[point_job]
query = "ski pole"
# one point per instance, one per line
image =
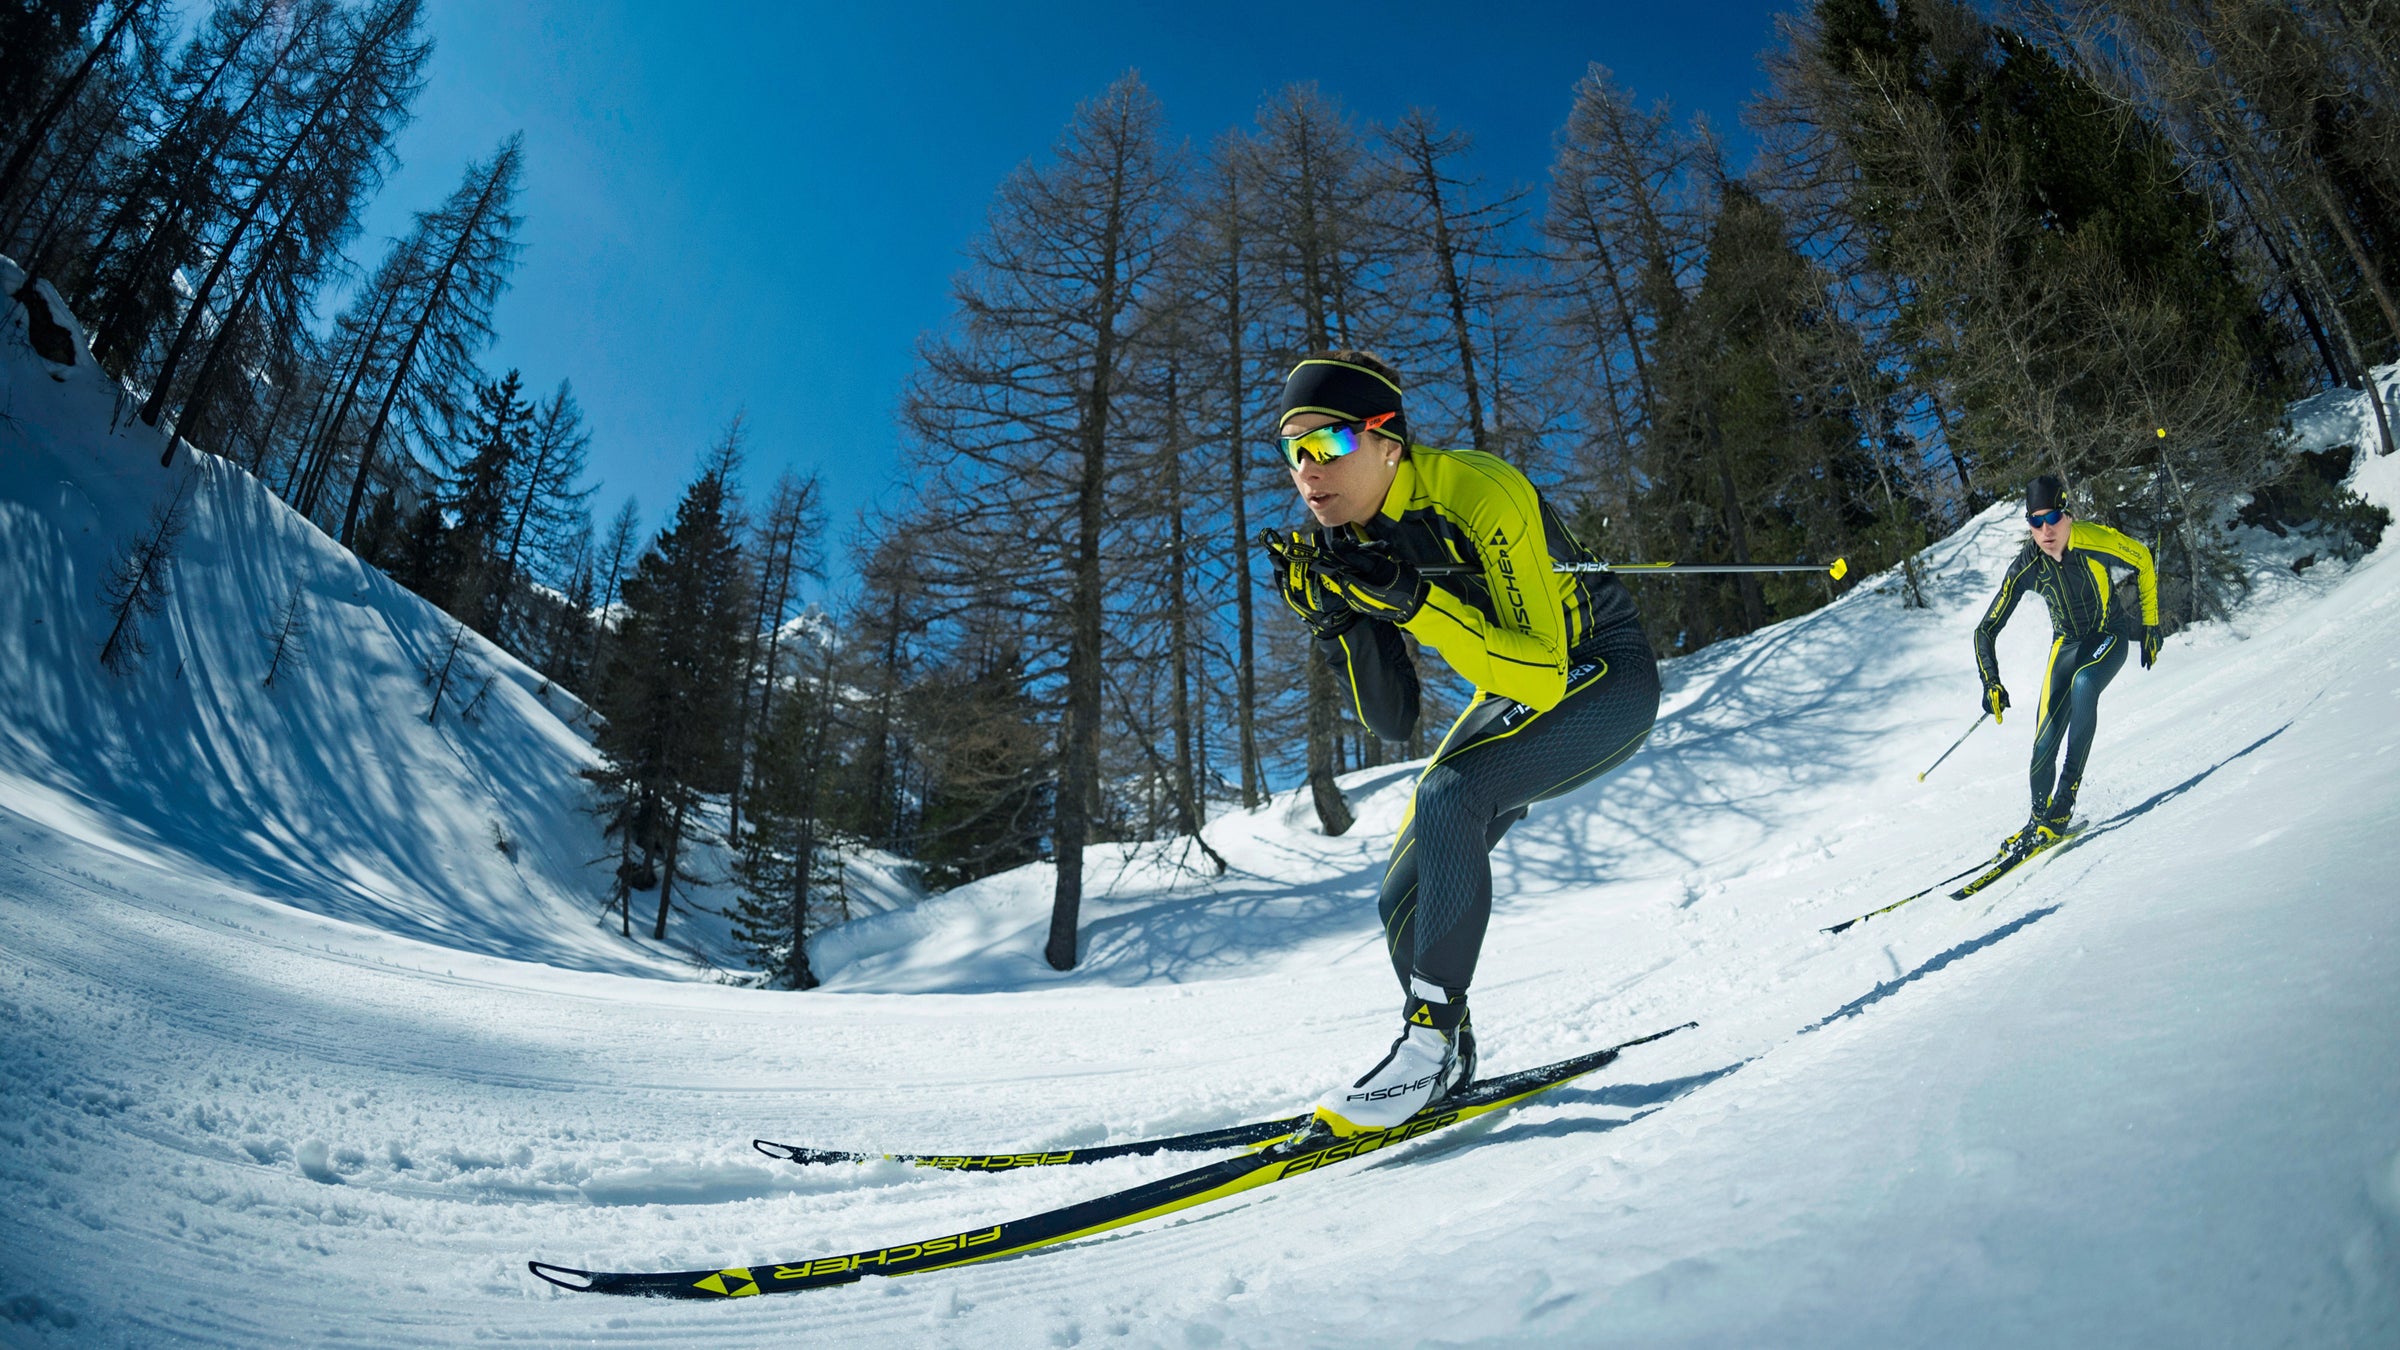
(1962, 740)
(1837, 569)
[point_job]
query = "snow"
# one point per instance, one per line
(290, 1052)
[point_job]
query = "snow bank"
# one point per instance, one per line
(330, 792)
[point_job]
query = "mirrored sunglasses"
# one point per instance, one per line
(1330, 442)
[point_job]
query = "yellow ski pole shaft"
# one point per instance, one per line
(1962, 740)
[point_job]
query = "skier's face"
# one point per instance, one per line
(1348, 490)
(2051, 535)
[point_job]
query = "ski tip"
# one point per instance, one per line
(809, 1157)
(565, 1277)
(1843, 926)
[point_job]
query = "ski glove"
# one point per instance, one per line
(1308, 595)
(1995, 699)
(2152, 640)
(1369, 577)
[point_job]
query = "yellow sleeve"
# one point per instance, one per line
(2127, 549)
(1524, 655)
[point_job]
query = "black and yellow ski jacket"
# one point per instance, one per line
(1512, 626)
(2081, 587)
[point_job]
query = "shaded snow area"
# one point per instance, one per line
(291, 1053)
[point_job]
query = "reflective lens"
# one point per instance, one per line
(1329, 442)
(2045, 518)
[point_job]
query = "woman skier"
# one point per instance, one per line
(2077, 567)
(1565, 685)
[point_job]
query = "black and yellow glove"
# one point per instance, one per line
(1995, 699)
(2152, 640)
(1369, 577)
(1305, 591)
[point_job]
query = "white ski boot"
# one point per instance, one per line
(1423, 1066)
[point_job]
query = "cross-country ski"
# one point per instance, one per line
(1290, 1156)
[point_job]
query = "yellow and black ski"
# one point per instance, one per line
(1206, 1141)
(1289, 1157)
(1918, 895)
(2009, 862)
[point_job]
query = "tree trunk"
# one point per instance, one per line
(1429, 181)
(1080, 769)
(1246, 678)
(1187, 813)
(319, 448)
(666, 876)
(1754, 606)
(1333, 813)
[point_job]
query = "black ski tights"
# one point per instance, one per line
(1500, 758)
(2079, 669)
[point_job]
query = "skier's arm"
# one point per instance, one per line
(2126, 549)
(2012, 589)
(1524, 655)
(1371, 661)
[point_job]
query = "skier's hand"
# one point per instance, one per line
(2152, 640)
(1306, 592)
(1995, 699)
(1369, 577)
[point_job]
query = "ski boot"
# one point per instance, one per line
(1433, 1057)
(2040, 831)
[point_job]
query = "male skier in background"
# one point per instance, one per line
(2078, 567)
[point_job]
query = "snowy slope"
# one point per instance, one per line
(329, 792)
(2148, 1093)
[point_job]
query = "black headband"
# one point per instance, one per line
(1340, 389)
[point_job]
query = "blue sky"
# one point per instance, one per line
(746, 206)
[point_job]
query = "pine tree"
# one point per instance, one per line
(617, 553)
(784, 847)
(566, 647)
(287, 636)
(1326, 237)
(788, 550)
(457, 263)
(672, 687)
(548, 528)
(140, 581)
(359, 87)
(474, 574)
(988, 797)
(172, 191)
(1019, 408)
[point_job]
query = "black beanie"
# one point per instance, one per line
(1352, 393)
(2045, 493)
